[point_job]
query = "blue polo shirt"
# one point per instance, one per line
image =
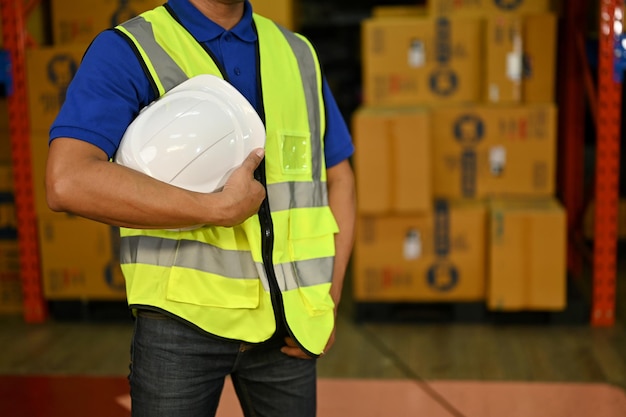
(110, 86)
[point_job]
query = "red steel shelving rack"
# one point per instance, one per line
(603, 98)
(16, 40)
(608, 125)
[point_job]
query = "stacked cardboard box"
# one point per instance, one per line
(286, 13)
(10, 282)
(455, 156)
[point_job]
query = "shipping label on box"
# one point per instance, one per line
(439, 256)
(481, 151)
(527, 254)
(486, 7)
(393, 160)
(504, 59)
(416, 61)
(80, 259)
(521, 58)
(49, 71)
(79, 22)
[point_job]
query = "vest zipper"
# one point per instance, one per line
(267, 247)
(265, 220)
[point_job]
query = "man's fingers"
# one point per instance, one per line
(292, 349)
(294, 352)
(253, 160)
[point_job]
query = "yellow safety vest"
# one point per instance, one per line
(228, 281)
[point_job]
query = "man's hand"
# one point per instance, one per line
(243, 194)
(292, 349)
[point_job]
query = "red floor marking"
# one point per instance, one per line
(69, 396)
(62, 396)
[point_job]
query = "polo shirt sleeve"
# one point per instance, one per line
(338, 144)
(104, 96)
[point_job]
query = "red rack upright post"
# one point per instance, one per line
(608, 133)
(15, 39)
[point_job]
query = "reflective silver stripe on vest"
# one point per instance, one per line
(187, 254)
(227, 263)
(286, 195)
(170, 74)
(301, 274)
(306, 64)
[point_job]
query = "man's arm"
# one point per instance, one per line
(81, 180)
(342, 201)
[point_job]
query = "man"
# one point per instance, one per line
(252, 294)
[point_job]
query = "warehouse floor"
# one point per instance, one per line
(73, 368)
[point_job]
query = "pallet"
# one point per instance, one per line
(577, 312)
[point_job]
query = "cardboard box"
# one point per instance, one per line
(540, 58)
(8, 217)
(78, 22)
(489, 150)
(392, 160)
(79, 259)
(11, 299)
(5, 148)
(521, 58)
(39, 156)
(10, 279)
(49, 71)
(5, 135)
(417, 61)
(439, 256)
(284, 12)
(9, 255)
(481, 8)
(527, 255)
(6, 177)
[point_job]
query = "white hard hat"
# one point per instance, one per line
(193, 136)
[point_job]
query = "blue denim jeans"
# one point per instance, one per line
(178, 371)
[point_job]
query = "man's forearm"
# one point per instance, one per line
(342, 201)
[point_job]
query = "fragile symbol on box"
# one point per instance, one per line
(61, 70)
(443, 80)
(442, 275)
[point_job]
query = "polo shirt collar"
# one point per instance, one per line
(204, 29)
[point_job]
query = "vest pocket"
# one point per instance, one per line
(317, 300)
(295, 153)
(312, 233)
(312, 247)
(205, 289)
